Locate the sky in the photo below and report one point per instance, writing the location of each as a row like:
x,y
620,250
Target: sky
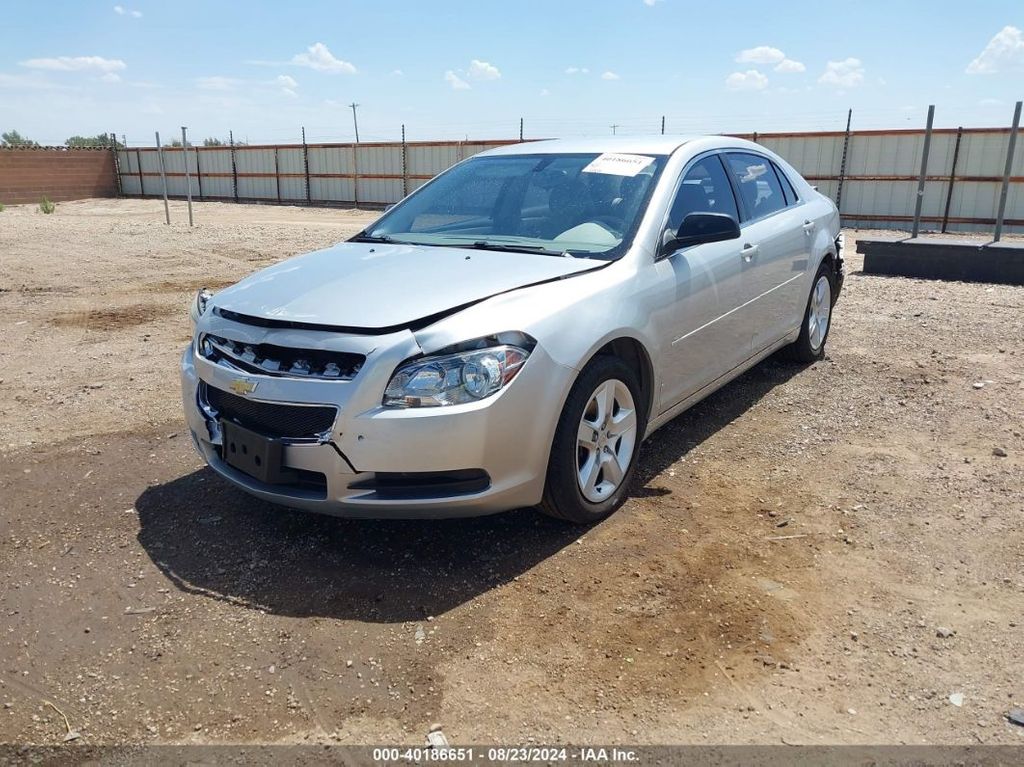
x,y
459,69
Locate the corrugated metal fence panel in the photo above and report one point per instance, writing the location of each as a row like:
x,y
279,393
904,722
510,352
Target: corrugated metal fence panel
x,y
813,156
215,165
256,177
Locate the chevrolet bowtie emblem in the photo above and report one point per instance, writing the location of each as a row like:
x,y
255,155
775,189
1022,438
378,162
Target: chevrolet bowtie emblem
x,y
243,386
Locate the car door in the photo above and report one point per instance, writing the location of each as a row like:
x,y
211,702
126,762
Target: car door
x,y
705,334
776,246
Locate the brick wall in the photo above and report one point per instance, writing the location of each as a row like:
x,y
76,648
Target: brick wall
x,y
26,175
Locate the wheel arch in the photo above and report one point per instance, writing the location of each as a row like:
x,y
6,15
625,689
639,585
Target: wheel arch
x,y
632,351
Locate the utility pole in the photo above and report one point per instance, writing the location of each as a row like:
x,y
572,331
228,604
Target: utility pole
x,y
520,128
663,125
613,127
355,122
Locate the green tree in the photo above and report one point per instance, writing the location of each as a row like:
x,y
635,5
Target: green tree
x,y
13,138
213,141
101,140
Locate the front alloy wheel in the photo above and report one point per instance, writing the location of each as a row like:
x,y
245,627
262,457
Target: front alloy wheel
x,y
607,438
596,442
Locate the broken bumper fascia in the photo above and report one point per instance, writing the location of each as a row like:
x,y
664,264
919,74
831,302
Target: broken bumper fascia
x,y
508,436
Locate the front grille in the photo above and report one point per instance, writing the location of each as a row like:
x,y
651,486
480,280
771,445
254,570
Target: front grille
x,y
271,419
267,359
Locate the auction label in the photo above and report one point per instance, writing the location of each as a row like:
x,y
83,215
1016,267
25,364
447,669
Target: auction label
x,y
618,164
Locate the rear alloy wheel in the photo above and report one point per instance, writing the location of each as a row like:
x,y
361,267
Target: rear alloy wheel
x,y
596,443
810,345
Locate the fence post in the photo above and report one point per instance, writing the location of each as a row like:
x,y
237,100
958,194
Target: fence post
x,y
842,162
355,176
199,174
924,170
405,166
138,167
1006,173
188,178
234,167
305,163
952,178
163,177
117,164
277,175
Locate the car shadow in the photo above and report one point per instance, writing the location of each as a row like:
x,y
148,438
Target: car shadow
x,y
213,540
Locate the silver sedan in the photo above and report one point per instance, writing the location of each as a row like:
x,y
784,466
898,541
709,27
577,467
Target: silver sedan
x,y
508,334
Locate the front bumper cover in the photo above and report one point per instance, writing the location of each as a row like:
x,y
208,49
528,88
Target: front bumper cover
x,y
507,437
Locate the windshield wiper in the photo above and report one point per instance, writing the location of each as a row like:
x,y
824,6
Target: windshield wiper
x,y
514,248
364,237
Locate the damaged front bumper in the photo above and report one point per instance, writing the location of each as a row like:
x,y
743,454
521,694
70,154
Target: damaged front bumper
x,y
371,461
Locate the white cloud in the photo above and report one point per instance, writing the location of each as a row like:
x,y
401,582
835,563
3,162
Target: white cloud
x,y
482,70
847,73
287,85
609,75
75,64
577,71
457,83
111,77
120,10
762,54
751,80
319,57
397,72
1004,51
650,3
216,83
545,92
789,66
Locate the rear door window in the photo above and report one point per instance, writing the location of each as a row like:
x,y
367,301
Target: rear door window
x,y
759,188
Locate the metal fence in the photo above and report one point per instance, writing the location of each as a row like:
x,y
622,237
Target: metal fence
x,y
372,174
873,174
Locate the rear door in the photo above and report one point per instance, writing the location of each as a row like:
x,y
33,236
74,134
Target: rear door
x,y
704,334
776,246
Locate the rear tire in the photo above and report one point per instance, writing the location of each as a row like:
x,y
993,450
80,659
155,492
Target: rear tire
x,y
596,443
817,321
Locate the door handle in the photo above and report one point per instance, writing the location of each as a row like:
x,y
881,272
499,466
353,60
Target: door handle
x,y
809,226
748,252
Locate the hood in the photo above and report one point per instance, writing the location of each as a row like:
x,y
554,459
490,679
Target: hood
x,y
370,286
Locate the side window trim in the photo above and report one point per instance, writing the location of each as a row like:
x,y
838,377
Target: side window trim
x,y
788,189
741,204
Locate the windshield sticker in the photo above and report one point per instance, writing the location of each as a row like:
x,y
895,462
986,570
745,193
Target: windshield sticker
x,y
619,164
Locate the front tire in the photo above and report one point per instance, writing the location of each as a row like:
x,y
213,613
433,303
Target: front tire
x,y
597,440
817,321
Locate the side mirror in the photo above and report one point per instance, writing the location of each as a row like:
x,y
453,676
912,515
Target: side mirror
x,y
698,228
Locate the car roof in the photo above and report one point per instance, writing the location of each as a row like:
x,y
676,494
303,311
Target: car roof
x,y
655,145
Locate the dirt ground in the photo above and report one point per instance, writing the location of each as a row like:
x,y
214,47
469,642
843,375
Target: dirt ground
x,y
812,555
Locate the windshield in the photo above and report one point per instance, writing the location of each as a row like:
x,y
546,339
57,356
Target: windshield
x,y
577,204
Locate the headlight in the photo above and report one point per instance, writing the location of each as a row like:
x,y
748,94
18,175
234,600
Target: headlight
x,y
199,304
451,379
